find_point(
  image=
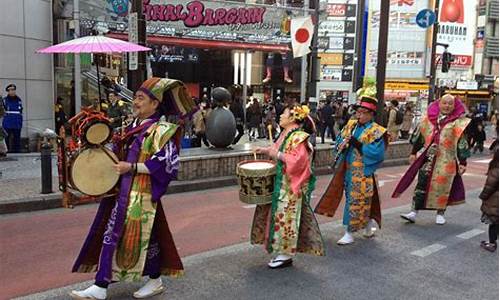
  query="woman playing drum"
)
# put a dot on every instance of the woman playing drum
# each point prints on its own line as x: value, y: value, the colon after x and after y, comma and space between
x: 287, y: 225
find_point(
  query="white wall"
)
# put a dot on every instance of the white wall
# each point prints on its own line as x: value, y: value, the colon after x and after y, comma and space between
x: 25, y: 26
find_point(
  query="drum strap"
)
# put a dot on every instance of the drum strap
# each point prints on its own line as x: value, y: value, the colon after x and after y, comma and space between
x: 124, y: 140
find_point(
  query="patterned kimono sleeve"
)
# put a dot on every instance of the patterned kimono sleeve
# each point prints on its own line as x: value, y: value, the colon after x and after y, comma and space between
x: 297, y: 166
x: 463, y: 150
x: 373, y: 155
x: 163, y: 167
x: 417, y: 140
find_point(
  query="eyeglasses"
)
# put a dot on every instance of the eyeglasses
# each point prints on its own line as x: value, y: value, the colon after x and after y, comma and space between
x: 362, y: 111
x: 8, y: 90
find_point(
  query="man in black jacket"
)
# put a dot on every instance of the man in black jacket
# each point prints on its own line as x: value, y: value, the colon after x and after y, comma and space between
x: 326, y: 118
x: 237, y: 110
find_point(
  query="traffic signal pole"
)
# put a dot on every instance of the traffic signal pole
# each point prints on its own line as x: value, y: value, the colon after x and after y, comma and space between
x: 432, y: 76
x: 382, y: 57
x: 313, y: 58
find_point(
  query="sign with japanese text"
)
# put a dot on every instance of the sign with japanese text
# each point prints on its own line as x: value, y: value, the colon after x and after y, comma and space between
x: 341, y: 10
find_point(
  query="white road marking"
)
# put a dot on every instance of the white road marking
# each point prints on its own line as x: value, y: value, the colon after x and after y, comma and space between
x: 428, y: 250
x: 474, y: 175
x: 381, y: 183
x: 249, y: 206
x: 391, y: 176
x: 470, y: 234
x: 482, y: 161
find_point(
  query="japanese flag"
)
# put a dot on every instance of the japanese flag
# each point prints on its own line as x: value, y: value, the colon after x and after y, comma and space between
x: 301, y: 33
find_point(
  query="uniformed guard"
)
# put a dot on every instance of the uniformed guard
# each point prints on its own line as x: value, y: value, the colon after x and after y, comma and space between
x: 13, y: 119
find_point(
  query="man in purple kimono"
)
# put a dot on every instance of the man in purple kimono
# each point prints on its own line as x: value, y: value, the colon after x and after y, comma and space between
x: 129, y: 237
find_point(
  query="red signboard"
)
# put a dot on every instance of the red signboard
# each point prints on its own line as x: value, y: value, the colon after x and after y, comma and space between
x: 460, y: 60
x: 336, y: 10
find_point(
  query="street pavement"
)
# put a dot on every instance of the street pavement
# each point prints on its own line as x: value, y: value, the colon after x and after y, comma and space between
x: 420, y: 261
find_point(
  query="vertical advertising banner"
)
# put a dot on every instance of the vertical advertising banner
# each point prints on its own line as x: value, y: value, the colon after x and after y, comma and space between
x: 337, y: 40
x: 406, y: 46
x: 457, y: 20
x: 133, y: 36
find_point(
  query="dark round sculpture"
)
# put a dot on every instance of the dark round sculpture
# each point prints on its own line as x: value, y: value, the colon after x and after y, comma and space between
x: 221, y: 96
x: 221, y: 125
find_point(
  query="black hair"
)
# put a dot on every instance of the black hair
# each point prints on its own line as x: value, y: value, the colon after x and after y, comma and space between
x: 395, y: 102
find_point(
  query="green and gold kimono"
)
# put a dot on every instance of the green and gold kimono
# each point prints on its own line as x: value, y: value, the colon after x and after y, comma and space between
x: 444, y: 146
x: 288, y: 225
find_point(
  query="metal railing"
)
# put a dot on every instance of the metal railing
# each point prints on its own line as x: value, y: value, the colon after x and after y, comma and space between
x: 91, y: 77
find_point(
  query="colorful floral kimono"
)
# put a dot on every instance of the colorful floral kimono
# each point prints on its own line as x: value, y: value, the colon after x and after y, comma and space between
x: 288, y: 225
x: 129, y: 237
x: 443, y: 142
x: 355, y: 174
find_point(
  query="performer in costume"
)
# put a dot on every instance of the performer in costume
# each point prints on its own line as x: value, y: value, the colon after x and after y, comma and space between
x: 360, y: 151
x: 288, y: 225
x: 130, y: 237
x: 439, y: 182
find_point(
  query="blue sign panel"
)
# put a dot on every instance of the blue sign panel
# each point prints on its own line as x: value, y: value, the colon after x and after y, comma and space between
x: 426, y: 18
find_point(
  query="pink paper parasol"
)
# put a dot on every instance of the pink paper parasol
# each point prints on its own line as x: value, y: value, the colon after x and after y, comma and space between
x: 94, y: 44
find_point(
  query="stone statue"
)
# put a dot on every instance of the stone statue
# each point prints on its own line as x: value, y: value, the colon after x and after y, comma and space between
x: 221, y: 125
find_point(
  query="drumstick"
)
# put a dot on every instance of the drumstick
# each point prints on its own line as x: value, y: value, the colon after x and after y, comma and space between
x: 270, y: 129
x: 109, y: 155
x: 123, y: 126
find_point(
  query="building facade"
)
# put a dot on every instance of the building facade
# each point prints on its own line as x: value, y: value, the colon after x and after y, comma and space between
x: 26, y: 26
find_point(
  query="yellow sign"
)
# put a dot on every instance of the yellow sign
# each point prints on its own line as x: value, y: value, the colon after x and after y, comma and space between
x: 331, y: 59
x: 406, y: 86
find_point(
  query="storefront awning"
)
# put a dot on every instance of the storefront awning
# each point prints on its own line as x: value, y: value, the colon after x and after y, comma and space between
x: 205, y: 44
x: 472, y: 95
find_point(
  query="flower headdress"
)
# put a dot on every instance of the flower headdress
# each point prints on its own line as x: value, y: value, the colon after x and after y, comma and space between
x: 300, y: 112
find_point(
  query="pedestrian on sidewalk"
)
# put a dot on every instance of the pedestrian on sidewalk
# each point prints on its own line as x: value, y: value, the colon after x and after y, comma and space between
x: 239, y: 115
x: 129, y: 237
x: 489, y: 207
x: 479, y: 138
x: 407, y: 122
x: 394, y: 121
x: 288, y: 226
x: 200, y: 124
x: 13, y: 119
x: 360, y: 151
x: 117, y: 109
x: 442, y: 161
x: 59, y: 114
x: 327, y: 122
x: 254, y: 114
x: 3, y: 133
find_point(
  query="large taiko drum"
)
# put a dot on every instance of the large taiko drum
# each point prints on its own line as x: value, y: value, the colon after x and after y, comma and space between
x: 256, y: 180
x: 96, y: 132
x: 91, y: 171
